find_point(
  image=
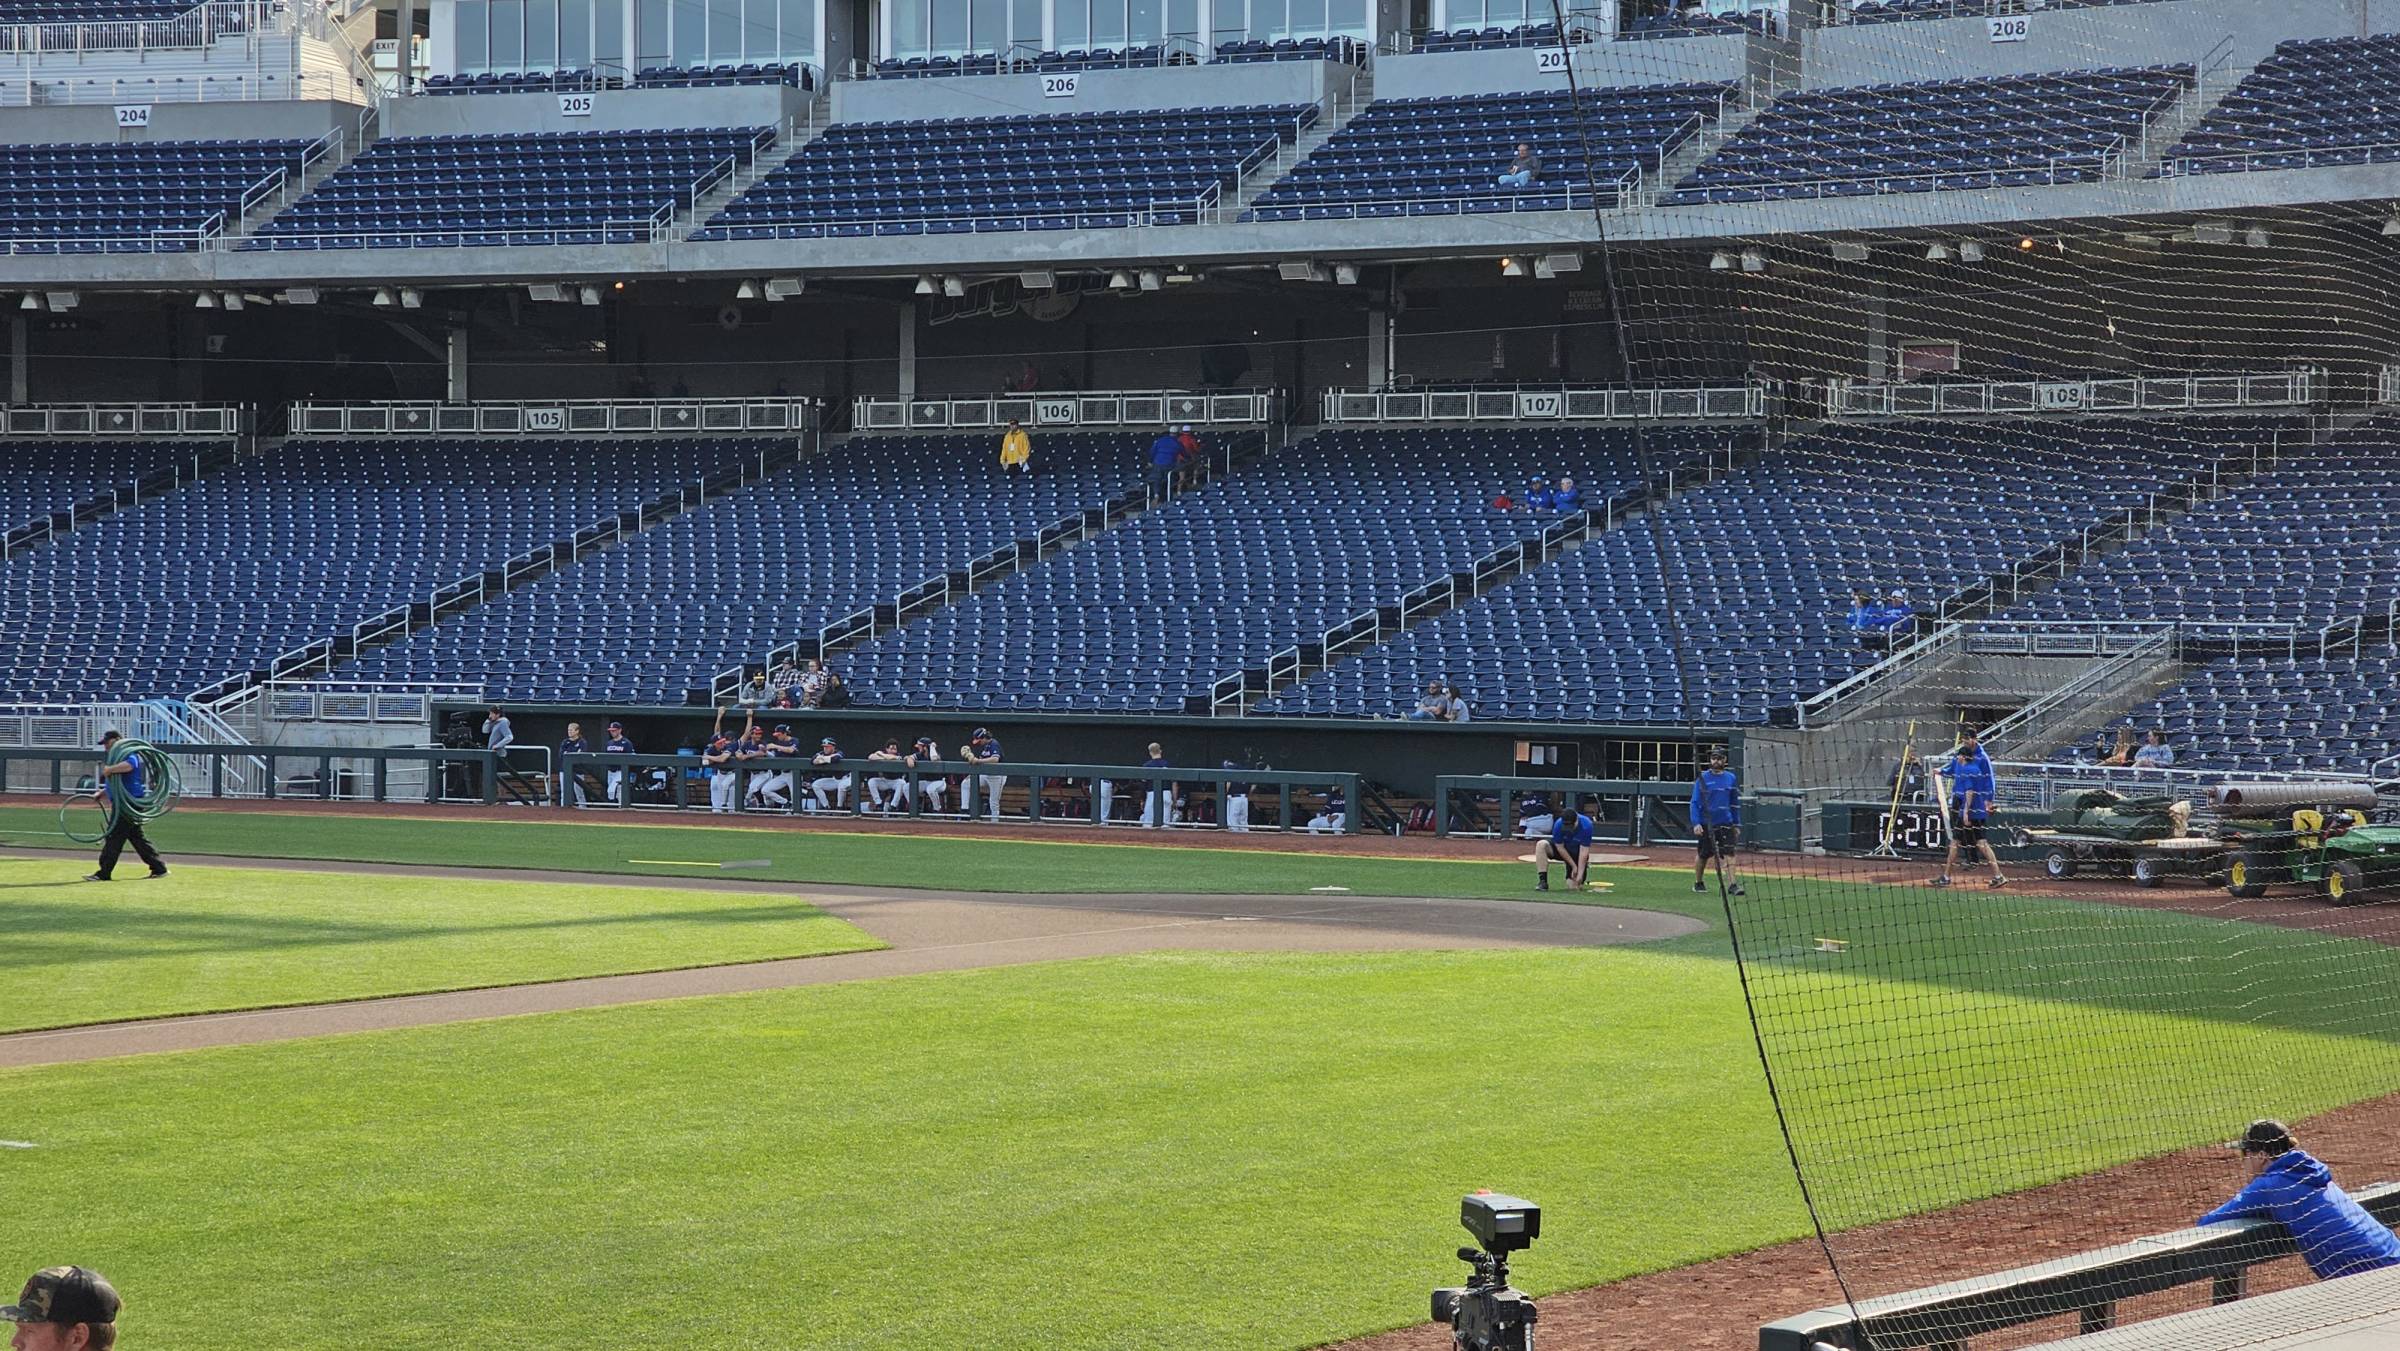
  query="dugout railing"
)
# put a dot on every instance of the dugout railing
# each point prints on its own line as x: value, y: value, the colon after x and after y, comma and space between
x: 1632, y: 812
x: 1068, y: 794
x: 2087, y: 1286
x: 417, y: 774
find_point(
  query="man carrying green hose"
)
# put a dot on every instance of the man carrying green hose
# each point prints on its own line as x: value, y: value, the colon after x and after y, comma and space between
x: 124, y: 827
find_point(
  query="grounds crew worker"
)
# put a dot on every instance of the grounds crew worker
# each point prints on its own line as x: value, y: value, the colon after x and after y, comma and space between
x: 123, y: 826
x: 64, y: 1309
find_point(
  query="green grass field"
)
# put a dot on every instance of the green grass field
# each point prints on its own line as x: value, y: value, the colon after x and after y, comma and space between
x: 1172, y: 1150
x: 226, y: 938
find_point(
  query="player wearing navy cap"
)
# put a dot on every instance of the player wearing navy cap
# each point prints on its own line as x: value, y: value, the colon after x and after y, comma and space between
x: 1334, y: 817
x: 936, y: 786
x: 774, y: 788
x: 835, y: 785
x: 617, y: 744
x: 1237, y: 802
x: 718, y: 757
x: 983, y: 749
x: 882, y: 784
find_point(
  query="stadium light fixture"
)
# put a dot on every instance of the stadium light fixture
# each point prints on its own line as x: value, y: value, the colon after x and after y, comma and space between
x: 384, y: 296
x: 550, y: 291
x: 1970, y: 251
x: 926, y: 285
x: 1043, y: 280
x: 2212, y: 232
x: 2025, y: 245
x: 411, y: 298
x: 1182, y: 276
x: 1551, y: 265
x: 299, y: 295
x: 953, y: 287
x: 207, y: 300
x: 1345, y: 274
x: 231, y: 300
x: 587, y: 294
x: 748, y: 290
x: 784, y: 288
x: 1120, y: 280
x: 1150, y: 278
x: 1849, y: 251
x: 62, y: 300
x: 1512, y: 267
x: 2256, y: 237
x: 1937, y: 252
x: 30, y: 301
x: 1754, y: 260
x: 1720, y: 261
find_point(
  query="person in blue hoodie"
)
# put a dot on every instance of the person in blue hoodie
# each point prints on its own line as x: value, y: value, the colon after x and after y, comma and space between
x: 1972, y: 784
x: 2336, y: 1235
x: 1570, y: 842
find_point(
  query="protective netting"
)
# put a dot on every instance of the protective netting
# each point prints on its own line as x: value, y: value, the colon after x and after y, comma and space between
x: 2079, y: 334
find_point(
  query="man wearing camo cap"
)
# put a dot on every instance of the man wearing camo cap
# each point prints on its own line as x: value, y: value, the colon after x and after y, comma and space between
x: 64, y: 1309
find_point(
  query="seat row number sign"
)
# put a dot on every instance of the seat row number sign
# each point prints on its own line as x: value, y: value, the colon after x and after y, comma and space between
x: 2010, y: 27
x: 575, y: 105
x: 133, y: 114
x: 1060, y: 86
x: 1053, y: 411
x: 1549, y: 60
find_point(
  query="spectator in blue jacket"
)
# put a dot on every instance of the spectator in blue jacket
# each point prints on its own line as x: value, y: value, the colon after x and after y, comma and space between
x: 1568, y: 497
x: 2336, y: 1236
x: 1716, y: 823
x: 1865, y: 615
x: 1541, y: 496
x: 1571, y: 842
x: 1165, y: 453
x: 1972, y: 784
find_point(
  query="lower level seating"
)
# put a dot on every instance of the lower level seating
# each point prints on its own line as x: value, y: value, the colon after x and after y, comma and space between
x: 2276, y: 715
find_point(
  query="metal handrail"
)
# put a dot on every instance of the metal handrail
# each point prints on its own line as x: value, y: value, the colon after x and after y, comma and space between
x: 2113, y: 667
x: 1496, y: 201
x: 1817, y: 709
x: 2376, y: 152
x: 198, y: 27
x: 2297, y: 386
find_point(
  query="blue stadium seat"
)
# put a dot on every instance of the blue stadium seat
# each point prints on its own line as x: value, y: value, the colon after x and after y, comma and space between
x: 138, y: 197
x: 1936, y: 135
x: 2316, y: 102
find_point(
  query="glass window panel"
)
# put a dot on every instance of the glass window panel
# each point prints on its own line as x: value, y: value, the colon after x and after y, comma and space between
x: 1504, y: 13
x: 1108, y: 23
x: 473, y: 56
x: 1230, y: 18
x: 950, y: 26
x: 687, y: 41
x: 759, y: 21
x: 1183, y: 19
x: 800, y: 30
x: 575, y: 33
x: 508, y: 34
x: 1347, y: 16
x: 1143, y: 23
x: 1308, y: 18
x: 990, y: 31
x: 909, y: 37
x: 1025, y: 24
x: 608, y: 32
x: 1266, y: 19
x: 541, y: 34
x: 1073, y: 21
x: 724, y: 32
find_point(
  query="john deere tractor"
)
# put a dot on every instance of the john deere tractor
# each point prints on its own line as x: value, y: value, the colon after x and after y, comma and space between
x: 2306, y: 834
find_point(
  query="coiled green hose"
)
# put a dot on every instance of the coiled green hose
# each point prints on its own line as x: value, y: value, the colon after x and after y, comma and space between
x: 162, y: 785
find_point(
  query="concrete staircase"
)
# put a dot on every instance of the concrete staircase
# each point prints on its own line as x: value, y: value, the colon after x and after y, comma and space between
x: 1693, y: 152
x: 2219, y: 72
x: 339, y: 148
x: 790, y: 139
x: 1343, y: 106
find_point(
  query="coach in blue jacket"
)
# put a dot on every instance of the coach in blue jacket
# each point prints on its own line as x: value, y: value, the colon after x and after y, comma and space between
x: 2335, y: 1234
x: 1972, y: 785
